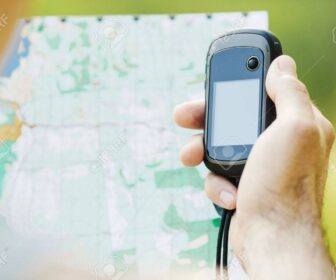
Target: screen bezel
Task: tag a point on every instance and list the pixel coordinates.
(230, 65)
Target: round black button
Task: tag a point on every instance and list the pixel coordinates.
(252, 63)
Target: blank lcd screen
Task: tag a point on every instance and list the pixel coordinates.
(235, 112)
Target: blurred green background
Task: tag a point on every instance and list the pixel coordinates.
(305, 28)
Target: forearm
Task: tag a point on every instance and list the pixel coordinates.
(294, 252)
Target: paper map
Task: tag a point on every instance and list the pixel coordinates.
(90, 153)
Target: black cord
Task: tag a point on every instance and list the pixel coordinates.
(223, 242)
(226, 237)
(220, 242)
(223, 236)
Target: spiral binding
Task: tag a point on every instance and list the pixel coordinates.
(172, 17)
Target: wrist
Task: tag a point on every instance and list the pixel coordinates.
(283, 251)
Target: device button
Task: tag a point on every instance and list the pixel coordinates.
(277, 46)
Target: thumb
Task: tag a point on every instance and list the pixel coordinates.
(288, 93)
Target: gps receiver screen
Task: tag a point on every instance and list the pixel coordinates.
(235, 112)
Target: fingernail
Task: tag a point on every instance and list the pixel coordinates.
(287, 65)
(227, 198)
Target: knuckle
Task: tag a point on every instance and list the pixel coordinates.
(294, 84)
(208, 186)
(211, 187)
(304, 129)
(329, 132)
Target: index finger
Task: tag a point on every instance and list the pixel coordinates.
(190, 114)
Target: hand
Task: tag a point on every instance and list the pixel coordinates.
(276, 232)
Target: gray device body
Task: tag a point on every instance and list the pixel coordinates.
(231, 47)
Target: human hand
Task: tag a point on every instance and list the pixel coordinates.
(280, 193)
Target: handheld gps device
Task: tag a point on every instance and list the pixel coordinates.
(237, 108)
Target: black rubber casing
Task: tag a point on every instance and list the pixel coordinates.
(271, 48)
